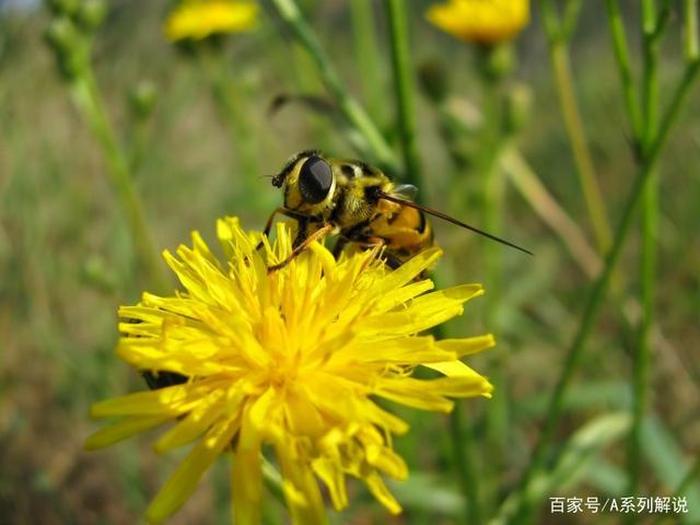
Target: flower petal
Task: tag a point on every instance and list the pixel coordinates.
(467, 345)
(168, 401)
(405, 350)
(123, 430)
(301, 488)
(184, 480)
(378, 489)
(246, 486)
(331, 473)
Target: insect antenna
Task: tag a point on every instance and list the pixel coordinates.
(452, 220)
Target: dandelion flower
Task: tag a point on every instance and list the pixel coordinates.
(291, 362)
(481, 21)
(198, 19)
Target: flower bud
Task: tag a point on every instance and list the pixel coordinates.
(96, 273)
(62, 35)
(68, 45)
(63, 7)
(91, 14)
(496, 61)
(142, 99)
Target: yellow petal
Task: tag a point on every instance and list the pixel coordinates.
(387, 460)
(259, 417)
(166, 401)
(454, 368)
(378, 489)
(409, 321)
(246, 486)
(461, 386)
(384, 419)
(300, 488)
(422, 313)
(407, 271)
(403, 295)
(302, 415)
(201, 249)
(414, 393)
(331, 473)
(198, 20)
(184, 480)
(486, 22)
(406, 350)
(123, 430)
(441, 298)
(467, 345)
(198, 421)
(326, 259)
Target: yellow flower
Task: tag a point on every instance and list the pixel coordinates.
(290, 362)
(481, 21)
(198, 19)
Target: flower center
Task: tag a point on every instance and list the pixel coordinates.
(283, 371)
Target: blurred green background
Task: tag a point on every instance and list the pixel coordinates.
(66, 260)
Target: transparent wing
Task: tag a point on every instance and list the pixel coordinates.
(405, 191)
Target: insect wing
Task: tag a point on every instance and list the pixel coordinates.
(405, 191)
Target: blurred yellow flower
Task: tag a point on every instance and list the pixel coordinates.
(198, 19)
(481, 21)
(292, 362)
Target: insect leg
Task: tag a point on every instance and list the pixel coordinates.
(370, 243)
(271, 219)
(326, 229)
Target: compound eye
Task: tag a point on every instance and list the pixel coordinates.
(315, 180)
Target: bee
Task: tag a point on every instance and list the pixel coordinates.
(358, 203)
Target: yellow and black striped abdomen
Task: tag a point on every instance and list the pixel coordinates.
(405, 233)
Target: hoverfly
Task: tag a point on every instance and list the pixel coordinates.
(357, 202)
(360, 204)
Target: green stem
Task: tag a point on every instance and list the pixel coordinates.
(570, 18)
(579, 144)
(550, 20)
(642, 354)
(558, 33)
(597, 294)
(692, 48)
(622, 57)
(86, 97)
(671, 114)
(403, 86)
(353, 112)
(650, 84)
(465, 463)
(492, 144)
(367, 54)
